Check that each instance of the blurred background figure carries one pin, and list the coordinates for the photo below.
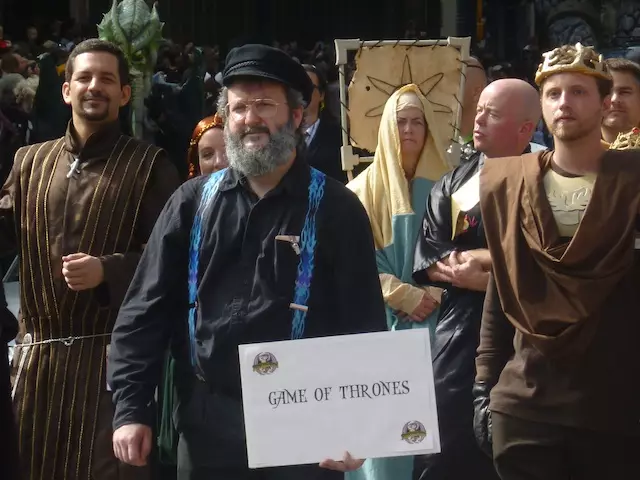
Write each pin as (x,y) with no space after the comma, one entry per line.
(206,150)
(323,134)
(623,113)
(9,437)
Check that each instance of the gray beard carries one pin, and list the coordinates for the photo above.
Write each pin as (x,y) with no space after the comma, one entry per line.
(253,162)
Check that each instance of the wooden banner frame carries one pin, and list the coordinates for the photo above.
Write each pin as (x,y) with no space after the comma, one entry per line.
(344,46)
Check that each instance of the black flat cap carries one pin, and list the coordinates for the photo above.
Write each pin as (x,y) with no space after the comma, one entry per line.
(262,61)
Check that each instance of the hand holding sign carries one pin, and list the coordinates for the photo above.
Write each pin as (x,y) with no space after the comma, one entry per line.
(348,464)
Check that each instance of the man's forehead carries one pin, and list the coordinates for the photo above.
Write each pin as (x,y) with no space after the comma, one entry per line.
(96,62)
(568,79)
(247,89)
(96,57)
(492,97)
(624,78)
(503,101)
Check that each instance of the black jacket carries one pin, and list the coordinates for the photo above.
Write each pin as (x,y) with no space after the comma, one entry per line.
(458,327)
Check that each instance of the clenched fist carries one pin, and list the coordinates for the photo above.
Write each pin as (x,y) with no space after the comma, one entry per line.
(82,271)
(132,444)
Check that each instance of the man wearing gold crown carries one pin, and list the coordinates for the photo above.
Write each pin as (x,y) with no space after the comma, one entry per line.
(558,342)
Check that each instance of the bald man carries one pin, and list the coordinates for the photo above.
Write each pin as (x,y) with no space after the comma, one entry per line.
(452,254)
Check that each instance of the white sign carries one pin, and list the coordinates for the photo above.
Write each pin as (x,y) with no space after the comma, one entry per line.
(312,399)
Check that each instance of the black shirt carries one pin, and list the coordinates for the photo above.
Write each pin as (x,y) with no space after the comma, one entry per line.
(246,283)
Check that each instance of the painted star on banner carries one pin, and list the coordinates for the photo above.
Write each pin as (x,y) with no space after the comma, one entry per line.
(406,77)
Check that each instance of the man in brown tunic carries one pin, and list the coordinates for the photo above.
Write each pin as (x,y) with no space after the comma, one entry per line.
(560,328)
(83,206)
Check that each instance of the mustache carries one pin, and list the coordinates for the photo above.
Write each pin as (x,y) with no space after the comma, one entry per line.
(94,96)
(563,117)
(254,130)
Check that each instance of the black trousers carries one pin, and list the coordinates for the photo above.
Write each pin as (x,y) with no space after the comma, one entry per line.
(460,459)
(212,443)
(525,450)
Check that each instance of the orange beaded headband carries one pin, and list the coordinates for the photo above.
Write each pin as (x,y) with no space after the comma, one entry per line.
(203,127)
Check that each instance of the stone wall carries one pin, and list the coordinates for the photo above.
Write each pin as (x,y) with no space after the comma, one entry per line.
(605,23)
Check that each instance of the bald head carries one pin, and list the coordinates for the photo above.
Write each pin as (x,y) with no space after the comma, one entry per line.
(475,81)
(521,98)
(507,114)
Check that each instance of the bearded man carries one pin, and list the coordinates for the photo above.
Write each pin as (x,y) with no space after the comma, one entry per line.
(266,250)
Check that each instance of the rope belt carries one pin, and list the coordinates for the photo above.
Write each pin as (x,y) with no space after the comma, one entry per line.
(66,341)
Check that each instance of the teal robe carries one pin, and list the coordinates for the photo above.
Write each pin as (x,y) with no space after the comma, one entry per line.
(397,259)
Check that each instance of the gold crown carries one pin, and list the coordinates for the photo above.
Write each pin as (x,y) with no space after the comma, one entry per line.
(627,141)
(573,59)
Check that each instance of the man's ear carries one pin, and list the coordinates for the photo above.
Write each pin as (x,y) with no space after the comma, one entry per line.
(298,115)
(66,93)
(528,128)
(126,95)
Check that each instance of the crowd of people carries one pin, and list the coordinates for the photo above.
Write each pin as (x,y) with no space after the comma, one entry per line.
(142,270)
(32,72)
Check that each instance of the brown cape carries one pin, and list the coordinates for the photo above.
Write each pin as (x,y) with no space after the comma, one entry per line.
(552,290)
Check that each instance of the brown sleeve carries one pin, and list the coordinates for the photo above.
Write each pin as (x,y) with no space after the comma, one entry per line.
(120,267)
(496,338)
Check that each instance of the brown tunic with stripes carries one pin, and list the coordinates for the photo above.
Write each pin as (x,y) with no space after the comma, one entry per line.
(106,207)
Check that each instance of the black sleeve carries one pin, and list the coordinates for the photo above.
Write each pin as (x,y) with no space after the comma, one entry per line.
(434,241)
(356,271)
(155,305)
(496,338)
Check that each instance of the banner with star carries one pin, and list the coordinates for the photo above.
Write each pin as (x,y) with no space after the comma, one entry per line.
(436,66)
